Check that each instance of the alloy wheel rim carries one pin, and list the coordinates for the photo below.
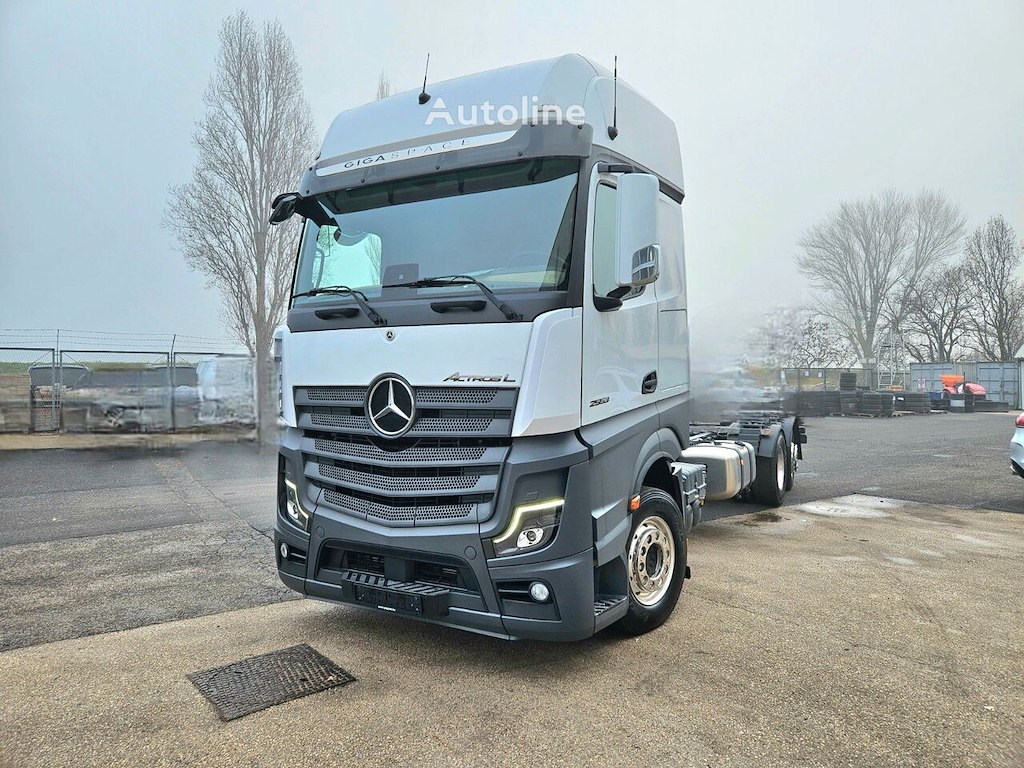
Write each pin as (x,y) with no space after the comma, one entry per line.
(652,561)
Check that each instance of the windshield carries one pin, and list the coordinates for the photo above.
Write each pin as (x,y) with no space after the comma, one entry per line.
(509,226)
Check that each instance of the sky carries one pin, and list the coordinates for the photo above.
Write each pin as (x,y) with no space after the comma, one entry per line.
(784,110)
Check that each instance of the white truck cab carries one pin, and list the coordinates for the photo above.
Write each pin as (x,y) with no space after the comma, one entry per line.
(484,371)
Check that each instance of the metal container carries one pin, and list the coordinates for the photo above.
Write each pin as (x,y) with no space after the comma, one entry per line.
(729,466)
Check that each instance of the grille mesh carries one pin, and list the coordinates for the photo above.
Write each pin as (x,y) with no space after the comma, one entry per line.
(399,483)
(423,425)
(456,395)
(451,424)
(344,421)
(398,514)
(465,430)
(337,394)
(417,453)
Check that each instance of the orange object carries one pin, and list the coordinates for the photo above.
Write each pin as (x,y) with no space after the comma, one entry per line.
(949,379)
(634,503)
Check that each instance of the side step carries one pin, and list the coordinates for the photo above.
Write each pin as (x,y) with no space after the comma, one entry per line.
(604,603)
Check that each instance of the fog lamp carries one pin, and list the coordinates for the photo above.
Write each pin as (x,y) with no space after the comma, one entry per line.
(539,592)
(284,551)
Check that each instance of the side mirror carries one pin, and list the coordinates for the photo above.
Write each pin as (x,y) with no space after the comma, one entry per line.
(283,207)
(636,249)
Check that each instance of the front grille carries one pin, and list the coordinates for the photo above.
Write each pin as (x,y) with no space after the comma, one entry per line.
(390,513)
(426,423)
(432,395)
(425,451)
(444,470)
(355,395)
(384,480)
(433,424)
(338,420)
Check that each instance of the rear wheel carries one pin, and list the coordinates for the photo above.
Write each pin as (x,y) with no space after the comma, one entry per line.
(655,562)
(770,482)
(791,459)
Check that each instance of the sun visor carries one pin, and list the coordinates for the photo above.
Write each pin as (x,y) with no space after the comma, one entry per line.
(453,152)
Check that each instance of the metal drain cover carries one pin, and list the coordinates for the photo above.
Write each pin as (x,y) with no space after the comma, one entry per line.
(253,684)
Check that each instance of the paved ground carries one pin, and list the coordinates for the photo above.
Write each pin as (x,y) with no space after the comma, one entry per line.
(94,541)
(816,638)
(839,634)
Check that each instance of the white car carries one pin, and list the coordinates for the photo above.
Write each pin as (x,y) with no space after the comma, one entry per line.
(1017,448)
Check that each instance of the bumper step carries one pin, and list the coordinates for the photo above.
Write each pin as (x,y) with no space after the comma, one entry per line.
(603,603)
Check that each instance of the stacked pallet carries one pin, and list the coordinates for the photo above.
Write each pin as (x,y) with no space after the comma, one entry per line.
(913,402)
(848,402)
(877,404)
(831,403)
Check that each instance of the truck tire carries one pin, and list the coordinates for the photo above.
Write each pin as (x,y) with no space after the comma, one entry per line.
(791,460)
(655,562)
(770,483)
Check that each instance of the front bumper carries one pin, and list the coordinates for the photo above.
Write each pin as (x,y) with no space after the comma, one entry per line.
(446,574)
(467,592)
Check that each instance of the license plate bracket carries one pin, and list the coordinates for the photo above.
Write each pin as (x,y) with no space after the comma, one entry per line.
(405,598)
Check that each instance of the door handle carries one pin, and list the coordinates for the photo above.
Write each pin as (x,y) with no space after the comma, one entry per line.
(650,383)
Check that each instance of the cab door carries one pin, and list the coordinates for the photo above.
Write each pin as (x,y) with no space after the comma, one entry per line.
(620,346)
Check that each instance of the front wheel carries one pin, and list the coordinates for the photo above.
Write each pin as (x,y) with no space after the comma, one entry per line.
(655,562)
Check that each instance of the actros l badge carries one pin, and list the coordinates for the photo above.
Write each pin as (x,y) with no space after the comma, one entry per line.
(390,406)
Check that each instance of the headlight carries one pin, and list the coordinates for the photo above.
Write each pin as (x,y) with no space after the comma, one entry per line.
(292,508)
(532,526)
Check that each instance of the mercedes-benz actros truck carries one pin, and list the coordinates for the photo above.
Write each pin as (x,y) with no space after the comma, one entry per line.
(485,368)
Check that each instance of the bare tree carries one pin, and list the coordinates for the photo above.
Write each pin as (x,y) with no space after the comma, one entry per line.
(937,232)
(993,260)
(796,338)
(937,315)
(820,345)
(256,135)
(384,86)
(867,255)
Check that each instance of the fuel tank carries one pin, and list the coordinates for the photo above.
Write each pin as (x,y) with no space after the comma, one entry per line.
(730,466)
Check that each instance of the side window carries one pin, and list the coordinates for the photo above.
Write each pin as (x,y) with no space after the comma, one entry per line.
(604,243)
(604,240)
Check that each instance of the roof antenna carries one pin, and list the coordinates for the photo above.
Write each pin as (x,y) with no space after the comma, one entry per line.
(424,96)
(613,129)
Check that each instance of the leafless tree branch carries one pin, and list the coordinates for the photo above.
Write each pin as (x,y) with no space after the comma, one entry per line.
(254,139)
(866,256)
(993,260)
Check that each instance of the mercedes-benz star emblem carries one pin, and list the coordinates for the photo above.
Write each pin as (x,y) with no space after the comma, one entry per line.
(390,406)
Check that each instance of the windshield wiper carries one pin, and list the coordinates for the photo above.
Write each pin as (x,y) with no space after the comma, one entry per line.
(344,290)
(442,280)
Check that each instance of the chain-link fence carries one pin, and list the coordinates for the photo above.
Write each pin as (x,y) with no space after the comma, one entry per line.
(804,379)
(114,391)
(27,386)
(213,390)
(43,389)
